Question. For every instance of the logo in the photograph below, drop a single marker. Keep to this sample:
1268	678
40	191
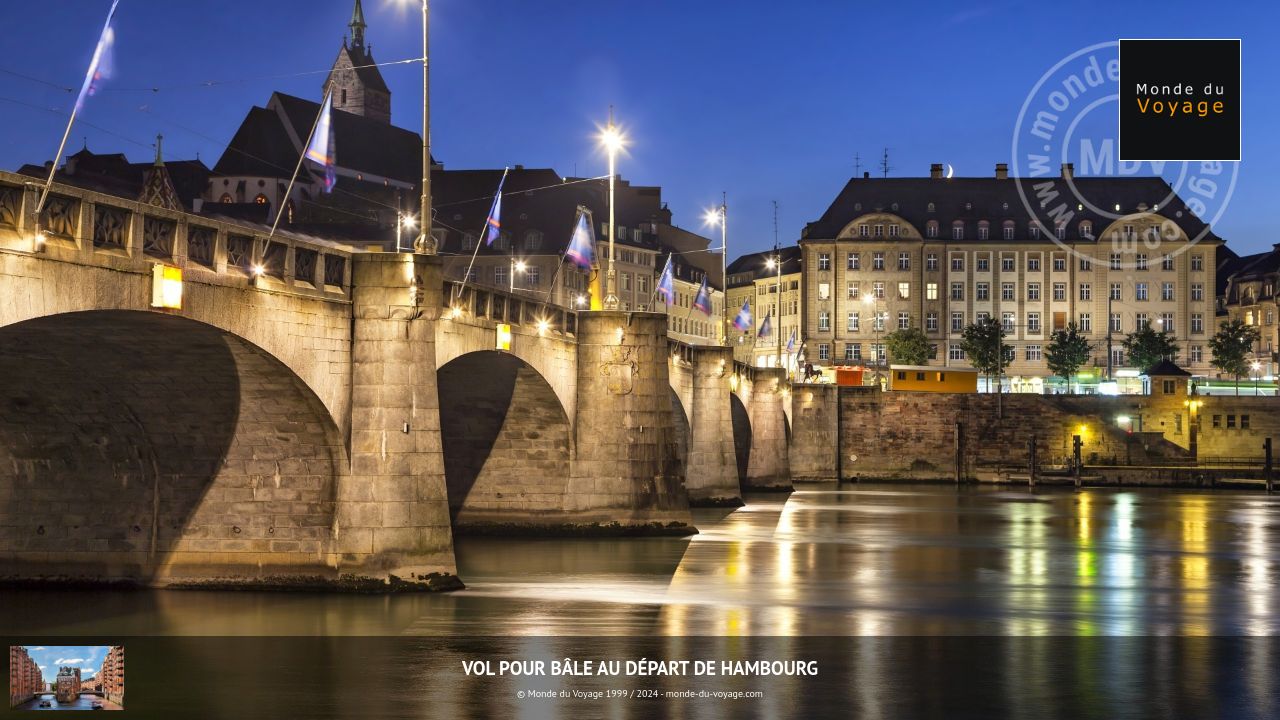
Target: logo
1065	149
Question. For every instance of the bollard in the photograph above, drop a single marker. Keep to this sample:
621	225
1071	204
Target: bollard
1076	445
1266	467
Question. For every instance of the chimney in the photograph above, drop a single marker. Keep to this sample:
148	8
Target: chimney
1068	170
866	174
935	171
1002	171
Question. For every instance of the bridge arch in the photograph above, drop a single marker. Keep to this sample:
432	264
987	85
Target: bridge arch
507	440
741	435
309	334
151	447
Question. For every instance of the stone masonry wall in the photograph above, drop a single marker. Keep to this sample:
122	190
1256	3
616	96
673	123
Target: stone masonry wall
138	446
625	470
506	441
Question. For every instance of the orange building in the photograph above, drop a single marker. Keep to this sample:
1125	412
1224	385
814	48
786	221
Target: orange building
24	676
112	675
920	378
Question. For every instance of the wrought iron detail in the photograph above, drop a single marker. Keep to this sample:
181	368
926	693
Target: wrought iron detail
335	268
59	216
200	242
110	227
304	265
240	252
157	237
273	260
10	206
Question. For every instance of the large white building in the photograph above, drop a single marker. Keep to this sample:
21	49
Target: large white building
940	253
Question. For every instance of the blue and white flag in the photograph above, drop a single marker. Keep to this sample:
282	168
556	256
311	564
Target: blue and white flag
743	321
766	327
320	149
702	301
791	341
666	284
493	225
100	65
582	248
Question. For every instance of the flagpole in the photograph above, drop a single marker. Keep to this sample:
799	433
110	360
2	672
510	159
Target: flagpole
476	250
301	156
75	110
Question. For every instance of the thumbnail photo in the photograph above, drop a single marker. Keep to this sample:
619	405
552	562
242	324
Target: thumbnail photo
66	677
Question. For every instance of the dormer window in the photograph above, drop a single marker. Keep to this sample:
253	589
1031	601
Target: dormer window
931	207
931	227
957	230
984	230
1007	229
1086	229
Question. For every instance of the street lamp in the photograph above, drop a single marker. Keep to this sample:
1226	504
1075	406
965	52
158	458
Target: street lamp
870	299
720	216
775	263
517	266
1257	367
613	140
422	244
407	222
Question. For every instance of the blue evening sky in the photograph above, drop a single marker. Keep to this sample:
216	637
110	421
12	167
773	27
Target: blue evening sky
86	657
763	100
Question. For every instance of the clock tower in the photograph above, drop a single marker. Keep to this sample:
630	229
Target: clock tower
358	87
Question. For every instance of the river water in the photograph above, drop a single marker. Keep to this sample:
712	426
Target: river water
1022	588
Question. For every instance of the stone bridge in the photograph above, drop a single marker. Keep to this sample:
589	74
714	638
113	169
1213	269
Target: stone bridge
314	414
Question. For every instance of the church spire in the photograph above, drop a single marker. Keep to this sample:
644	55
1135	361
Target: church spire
357	26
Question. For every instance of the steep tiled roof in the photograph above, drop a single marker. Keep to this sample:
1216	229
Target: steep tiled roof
113	174
753	266
972	199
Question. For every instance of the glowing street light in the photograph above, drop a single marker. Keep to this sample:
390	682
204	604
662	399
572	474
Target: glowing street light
613	141
517	266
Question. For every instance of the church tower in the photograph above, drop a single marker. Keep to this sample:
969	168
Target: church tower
357	84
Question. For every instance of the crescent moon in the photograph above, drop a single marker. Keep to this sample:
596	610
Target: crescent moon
950	171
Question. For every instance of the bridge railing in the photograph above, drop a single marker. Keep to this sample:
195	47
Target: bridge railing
93	228
487	303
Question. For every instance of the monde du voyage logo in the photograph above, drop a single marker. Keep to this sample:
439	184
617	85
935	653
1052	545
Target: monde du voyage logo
1180	100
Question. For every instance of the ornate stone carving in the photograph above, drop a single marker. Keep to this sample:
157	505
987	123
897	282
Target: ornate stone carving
110	227
10	206
157	237
200	242
59	216
335	267
304	264
620	370
239	252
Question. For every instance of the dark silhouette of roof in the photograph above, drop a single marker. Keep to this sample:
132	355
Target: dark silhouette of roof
113	174
262	146
973	199
538	200
753	266
1166	368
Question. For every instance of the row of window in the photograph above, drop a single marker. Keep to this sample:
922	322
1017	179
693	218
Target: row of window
1032	325
1009	229
1141	261
1008	291
1030	353
691	326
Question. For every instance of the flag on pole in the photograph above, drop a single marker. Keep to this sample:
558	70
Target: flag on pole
320	149
582	247
766	327
666	284
743	321
791	341
100	65
493	225
702	300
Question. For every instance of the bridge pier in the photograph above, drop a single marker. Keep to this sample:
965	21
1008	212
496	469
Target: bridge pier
768	467
625	474
391	524
711	473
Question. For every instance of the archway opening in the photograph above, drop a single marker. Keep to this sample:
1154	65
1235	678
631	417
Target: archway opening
680	429
506	441
741	436
134	444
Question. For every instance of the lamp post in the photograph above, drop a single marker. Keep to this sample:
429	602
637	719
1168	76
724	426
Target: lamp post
426	137
517	266
775	263
1257	368
406	222
612	139
720	216
870	299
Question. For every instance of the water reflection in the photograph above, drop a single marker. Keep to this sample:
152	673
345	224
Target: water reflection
827	560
